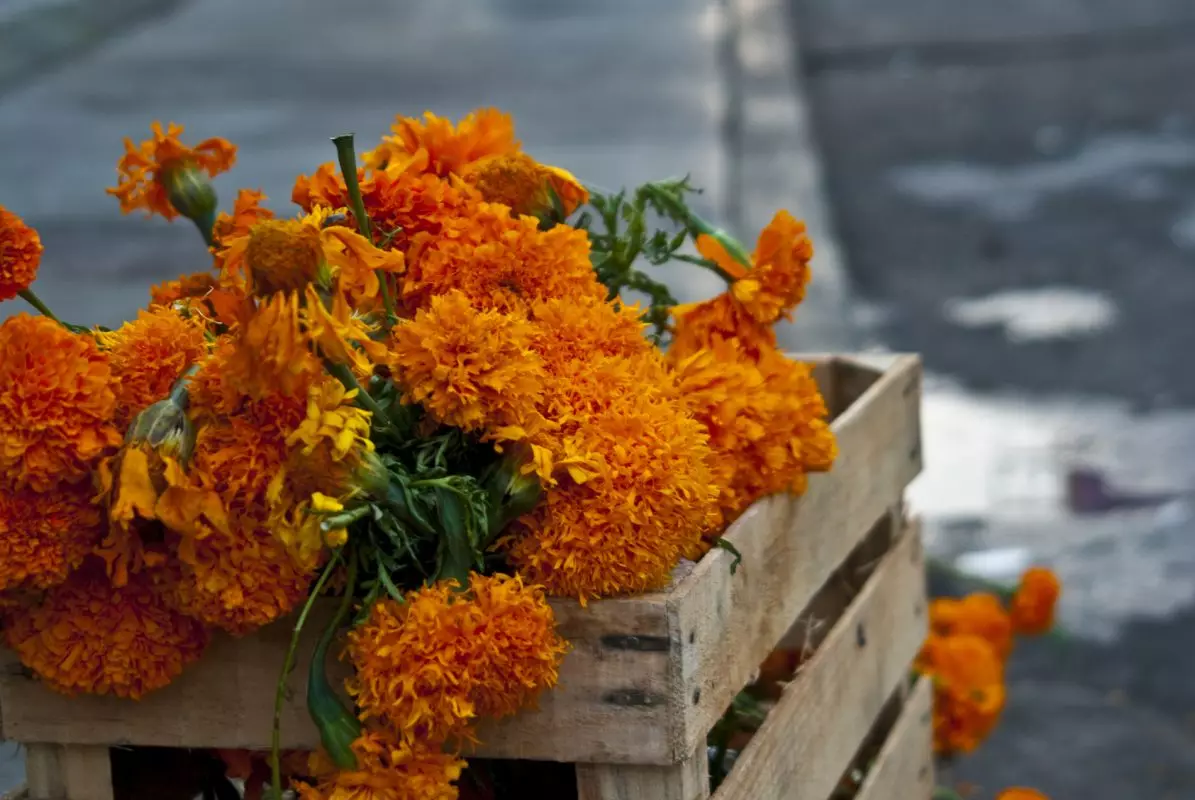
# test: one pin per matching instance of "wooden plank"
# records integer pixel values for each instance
(688, 780)
(68, 772)
(904, 767)
(729, 623)
(811, 737)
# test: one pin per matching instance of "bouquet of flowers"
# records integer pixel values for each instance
(426, 393)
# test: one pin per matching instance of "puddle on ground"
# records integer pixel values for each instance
(1103, 496)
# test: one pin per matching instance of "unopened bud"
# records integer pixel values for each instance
(191, 194)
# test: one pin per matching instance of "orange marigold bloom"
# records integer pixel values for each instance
(20, 255)
(980, 614)
(448, 148)
(569, 330)
(390, 769)
(44, 536)
(1033, 604)
(247, 211)
(271, 352)
(200, 294)
(470, 368)
(56, 403)
(237, 582)
(89, 636)
(148, 355)
(776, 281)
(636, 491)
(145, 167)
(701, 326)
(969, 694)
(766, 421)
(1021, 793)
(525, 185)
(502, 262)
(430, 665)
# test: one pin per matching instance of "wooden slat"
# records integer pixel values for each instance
(814, 732)
(729, 623)
(904, 768)
(68, 772)
(647, 675)
(688, 780)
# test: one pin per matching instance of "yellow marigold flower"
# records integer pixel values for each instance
(502, 262)
(637, 492)
(1034, 602)
(525, 185)
(327, 446)
(56, 404)
(90, 636)
(44, 536)
(980, 614)
(470, 368)
(766, 421)
(238, 582)
(20, 255)
(148, 355)
(447, 148)
(1021, 793)
(430, 665)
(146, 168)
(969, 693)
(390, 769)
(776, 281)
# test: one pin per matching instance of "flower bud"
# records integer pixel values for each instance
(191, 194)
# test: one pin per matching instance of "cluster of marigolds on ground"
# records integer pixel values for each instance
(421, 395)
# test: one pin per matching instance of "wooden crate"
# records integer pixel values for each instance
(648, 676)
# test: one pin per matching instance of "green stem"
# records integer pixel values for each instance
(345, 518)
(287, 667)
(206, 225)
(32, 299)
(348, 380)
(696, 224)
(943, 793)
(346, 154)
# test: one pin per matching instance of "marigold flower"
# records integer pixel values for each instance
(501, 262)
(145, 168)
(90, 636)
(569, 330)
(271, 351)
(1020, 793)
(776, 281)
(238, 582)
(470, 368)
(199, 294)
(969, 694)
(1033, 604)
(430, 665)
(45, 535)
(148, 355)
(247, 211)
(20, 255)
(390, 769)
(525, 185)
(448, 148)
(979, 614)
(765, 417)
(328, 444)
(56, 404)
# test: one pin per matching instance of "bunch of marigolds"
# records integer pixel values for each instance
(421, 394)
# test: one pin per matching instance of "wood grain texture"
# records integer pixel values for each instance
(688, 780)
(647, 675)
(810, 738)
(68, 772)
(729, 623)
(904, 767)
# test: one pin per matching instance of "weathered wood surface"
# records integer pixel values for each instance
(904, 767)
(67, 772)
(688, 780)
(814, 732)
(647, 676)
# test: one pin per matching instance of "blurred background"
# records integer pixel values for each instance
(1006, 187)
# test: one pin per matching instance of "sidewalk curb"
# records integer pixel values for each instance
(774, 162)
(47, 36)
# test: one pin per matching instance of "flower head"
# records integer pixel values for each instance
(429, 666)
(969, 694)
(148, 355)
(706, 325)
(45, 535)
(90, 636)
(328, 444)
(470, 368)
(146, 169)
(271, 351)
(199, 295)
(776, 281)
(1020, 793)
(390, 769)
(20, 255)
(446, 148)
(56, 403)
(979, 614)
(1033, 604)
(526, 186)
